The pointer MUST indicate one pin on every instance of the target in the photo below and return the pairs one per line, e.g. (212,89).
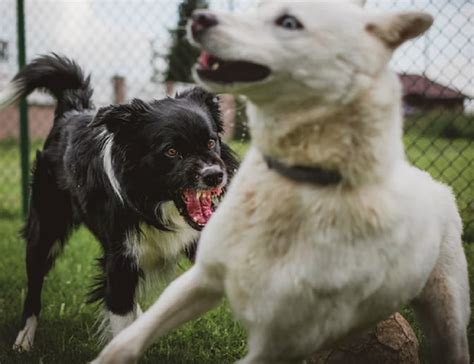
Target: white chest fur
(343,258)
(155,250)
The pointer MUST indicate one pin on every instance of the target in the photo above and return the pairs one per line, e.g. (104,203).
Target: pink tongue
(206,205)
(204,59)
(200,210)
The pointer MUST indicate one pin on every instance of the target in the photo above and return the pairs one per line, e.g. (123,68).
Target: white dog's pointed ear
(398,28)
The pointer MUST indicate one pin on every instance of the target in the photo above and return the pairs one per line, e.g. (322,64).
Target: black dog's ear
(210,100)
(117,117)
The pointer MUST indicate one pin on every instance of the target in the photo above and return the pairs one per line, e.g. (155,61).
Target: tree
(182,56)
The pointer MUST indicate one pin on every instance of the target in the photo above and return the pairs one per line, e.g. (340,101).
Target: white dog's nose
(201,21)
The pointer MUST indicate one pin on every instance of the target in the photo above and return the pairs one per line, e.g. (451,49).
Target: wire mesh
(126,45)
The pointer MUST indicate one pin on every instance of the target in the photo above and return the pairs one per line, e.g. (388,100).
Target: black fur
(70,185)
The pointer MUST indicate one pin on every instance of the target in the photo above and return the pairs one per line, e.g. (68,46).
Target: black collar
(315,175)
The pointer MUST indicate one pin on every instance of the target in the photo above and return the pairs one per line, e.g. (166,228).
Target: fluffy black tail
(59,76)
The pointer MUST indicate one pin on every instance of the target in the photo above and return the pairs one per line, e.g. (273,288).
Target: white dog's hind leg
(188,297)
(443,307)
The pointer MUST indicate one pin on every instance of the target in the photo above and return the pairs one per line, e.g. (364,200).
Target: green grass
(10,187)
(452,162)
(66,330)
(442,123)
(66,333)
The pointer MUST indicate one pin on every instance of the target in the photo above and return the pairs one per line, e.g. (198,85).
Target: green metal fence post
(23,109)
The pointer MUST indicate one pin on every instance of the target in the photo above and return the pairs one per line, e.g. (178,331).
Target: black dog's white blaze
(156,251)
(121,171)
(108,165)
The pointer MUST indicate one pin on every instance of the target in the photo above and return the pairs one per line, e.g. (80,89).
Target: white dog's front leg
(188,297)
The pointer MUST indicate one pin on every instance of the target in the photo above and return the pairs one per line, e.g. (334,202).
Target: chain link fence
(135,48)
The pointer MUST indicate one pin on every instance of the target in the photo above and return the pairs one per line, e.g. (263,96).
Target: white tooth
(198,194)
(215,66)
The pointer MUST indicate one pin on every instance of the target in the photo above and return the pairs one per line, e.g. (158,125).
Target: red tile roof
(423,86)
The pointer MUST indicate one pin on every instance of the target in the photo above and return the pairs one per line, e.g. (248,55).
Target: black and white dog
(143,177)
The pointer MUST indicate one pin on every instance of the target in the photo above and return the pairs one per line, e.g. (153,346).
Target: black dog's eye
(289,22)
(171,153)
(211,144)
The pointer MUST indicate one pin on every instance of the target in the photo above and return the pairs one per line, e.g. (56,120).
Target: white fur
(153,249)
(302,265)
(10,94)
(26,337)
(110,325)
(108,165)
(156,252)
(118,323)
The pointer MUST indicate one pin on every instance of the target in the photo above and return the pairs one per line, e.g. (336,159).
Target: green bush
(442,123)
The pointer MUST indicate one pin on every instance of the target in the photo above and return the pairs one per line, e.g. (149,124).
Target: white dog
(326,229)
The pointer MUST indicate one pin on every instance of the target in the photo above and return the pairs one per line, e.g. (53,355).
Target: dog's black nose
(213,176)
(201,21)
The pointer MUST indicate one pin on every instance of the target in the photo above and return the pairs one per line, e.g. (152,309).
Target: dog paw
(23,342)
(26,337)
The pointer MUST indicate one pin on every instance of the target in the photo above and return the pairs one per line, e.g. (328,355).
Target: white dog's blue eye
(289,22)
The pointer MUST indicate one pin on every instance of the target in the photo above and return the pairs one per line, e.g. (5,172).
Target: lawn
(67,326)
(66,330)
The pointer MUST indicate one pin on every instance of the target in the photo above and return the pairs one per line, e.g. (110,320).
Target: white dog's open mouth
(217,70)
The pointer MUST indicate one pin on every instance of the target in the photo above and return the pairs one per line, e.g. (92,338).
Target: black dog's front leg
(122,276)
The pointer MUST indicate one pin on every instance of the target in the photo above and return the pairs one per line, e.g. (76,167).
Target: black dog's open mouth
(197,207)
(218,70)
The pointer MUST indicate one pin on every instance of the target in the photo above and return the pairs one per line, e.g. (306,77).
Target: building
(41,109)
(420,94)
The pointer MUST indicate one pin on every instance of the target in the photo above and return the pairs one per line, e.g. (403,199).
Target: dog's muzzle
(210,67)
(201,21)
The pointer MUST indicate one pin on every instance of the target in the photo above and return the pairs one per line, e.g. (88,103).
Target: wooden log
(391,342)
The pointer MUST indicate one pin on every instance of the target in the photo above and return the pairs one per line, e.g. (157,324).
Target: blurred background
(137,48)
